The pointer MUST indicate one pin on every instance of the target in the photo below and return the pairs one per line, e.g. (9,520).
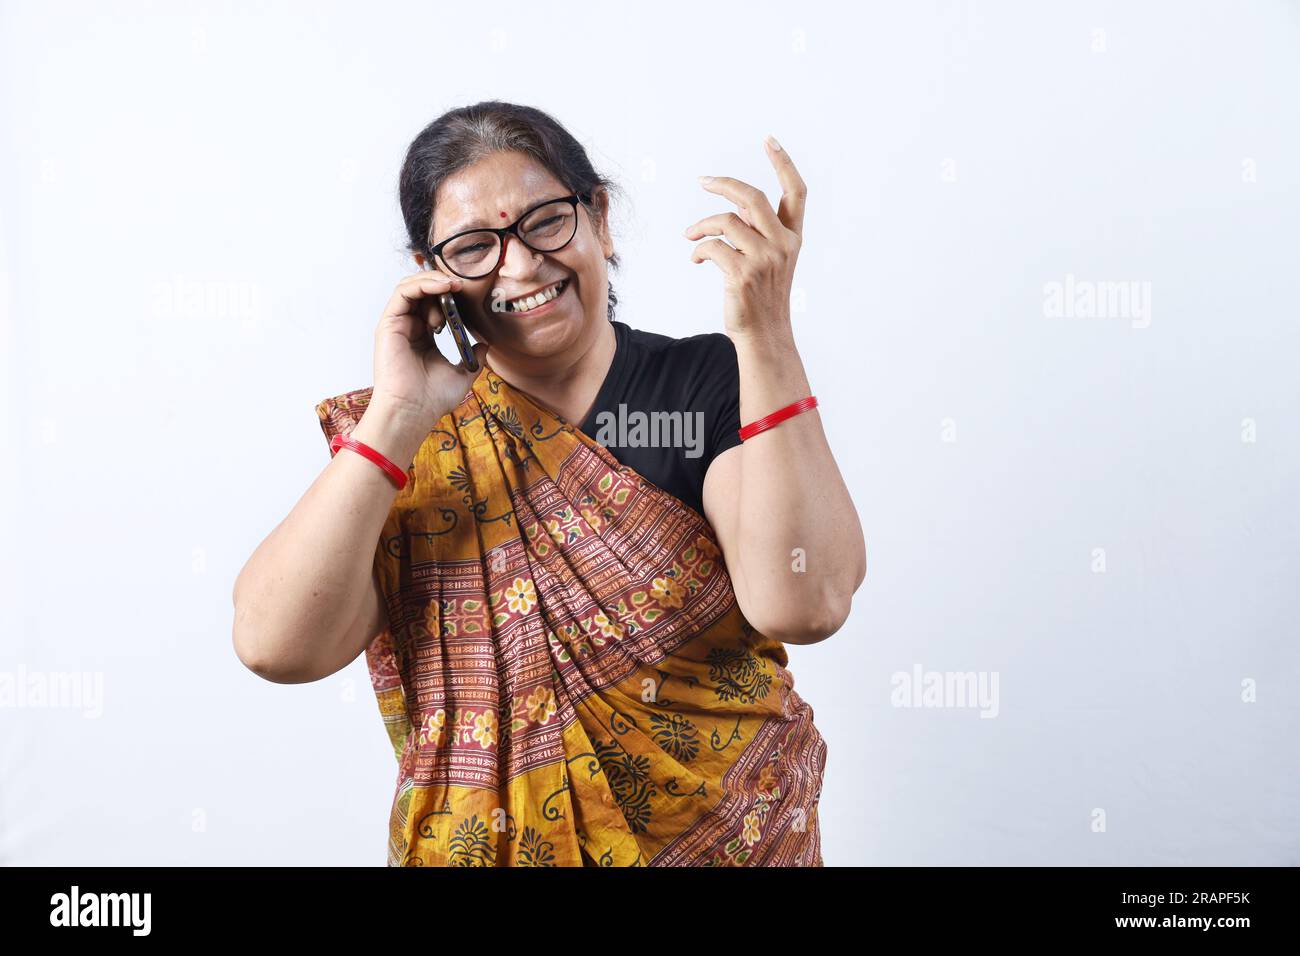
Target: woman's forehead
(477,195)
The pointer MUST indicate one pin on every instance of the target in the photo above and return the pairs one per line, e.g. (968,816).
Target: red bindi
(503,215)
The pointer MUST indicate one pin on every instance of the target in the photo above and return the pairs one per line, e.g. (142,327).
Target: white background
(200,228)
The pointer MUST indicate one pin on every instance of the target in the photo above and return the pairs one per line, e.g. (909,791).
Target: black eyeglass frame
(512,230)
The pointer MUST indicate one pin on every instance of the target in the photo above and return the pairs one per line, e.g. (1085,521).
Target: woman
(578,650)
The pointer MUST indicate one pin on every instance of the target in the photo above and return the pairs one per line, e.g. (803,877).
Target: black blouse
(668,407)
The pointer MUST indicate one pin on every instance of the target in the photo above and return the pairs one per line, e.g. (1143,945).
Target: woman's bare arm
(787,526)
(783,516)
(306,602)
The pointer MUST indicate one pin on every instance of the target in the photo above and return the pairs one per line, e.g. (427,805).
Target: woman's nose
(524,261)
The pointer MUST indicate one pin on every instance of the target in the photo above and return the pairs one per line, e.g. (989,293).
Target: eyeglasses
(546,227)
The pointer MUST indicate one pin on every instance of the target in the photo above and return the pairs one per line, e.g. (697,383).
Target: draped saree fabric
(566,678)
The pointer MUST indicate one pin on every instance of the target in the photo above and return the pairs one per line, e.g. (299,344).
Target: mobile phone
(452,320)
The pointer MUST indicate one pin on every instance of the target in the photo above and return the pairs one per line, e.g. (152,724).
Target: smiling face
(510,183)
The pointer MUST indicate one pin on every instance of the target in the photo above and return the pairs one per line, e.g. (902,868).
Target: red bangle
(347,441)
(777,417)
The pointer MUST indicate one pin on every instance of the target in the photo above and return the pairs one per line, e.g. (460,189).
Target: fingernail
(771,141)
(704,180)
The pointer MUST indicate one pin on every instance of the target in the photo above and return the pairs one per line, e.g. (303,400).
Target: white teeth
(533,301)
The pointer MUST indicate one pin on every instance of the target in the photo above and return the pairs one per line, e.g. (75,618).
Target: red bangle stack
(777,417)
(365,451)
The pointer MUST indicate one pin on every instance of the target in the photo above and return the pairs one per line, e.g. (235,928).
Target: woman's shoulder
(692,371)
(707,349)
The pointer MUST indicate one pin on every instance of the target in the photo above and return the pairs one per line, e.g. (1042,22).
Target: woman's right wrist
(393,429)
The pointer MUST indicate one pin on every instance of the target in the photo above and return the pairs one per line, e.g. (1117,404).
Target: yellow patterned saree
(566,678)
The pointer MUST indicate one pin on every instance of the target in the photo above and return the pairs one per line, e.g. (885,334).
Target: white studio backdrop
(1047,300)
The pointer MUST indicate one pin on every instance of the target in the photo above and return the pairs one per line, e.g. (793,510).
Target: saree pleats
(567,679)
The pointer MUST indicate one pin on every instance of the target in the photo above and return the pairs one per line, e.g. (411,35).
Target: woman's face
(494,192)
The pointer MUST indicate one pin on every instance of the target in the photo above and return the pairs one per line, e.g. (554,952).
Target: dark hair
(463,136)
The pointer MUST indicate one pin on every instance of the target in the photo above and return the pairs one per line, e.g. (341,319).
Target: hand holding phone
(410,372)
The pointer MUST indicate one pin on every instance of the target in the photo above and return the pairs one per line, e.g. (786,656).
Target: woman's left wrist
(773,336)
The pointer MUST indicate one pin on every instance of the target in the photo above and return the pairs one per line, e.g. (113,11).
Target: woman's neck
(570,391)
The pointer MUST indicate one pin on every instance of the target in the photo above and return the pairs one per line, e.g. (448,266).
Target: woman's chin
(541,336)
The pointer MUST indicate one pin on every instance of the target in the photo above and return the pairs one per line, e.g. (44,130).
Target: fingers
(413,308)
(743,236)
(416,287)
(794,192)
(755,207)
(726,258)
(758,209)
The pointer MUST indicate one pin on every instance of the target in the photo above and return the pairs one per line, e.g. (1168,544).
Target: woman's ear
(600,219)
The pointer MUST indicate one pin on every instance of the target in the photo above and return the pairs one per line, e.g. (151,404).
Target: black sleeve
(719,397)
